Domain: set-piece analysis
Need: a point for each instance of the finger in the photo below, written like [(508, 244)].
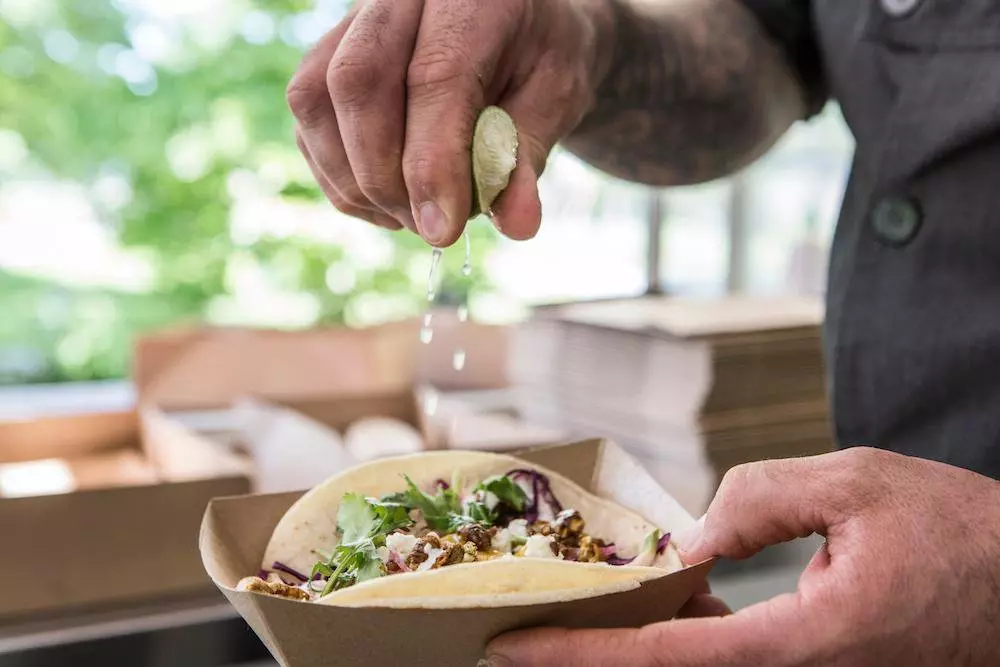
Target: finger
[(367, 82), (455, 57), (309, 100), (542, 110), (324, 184), (769, 502), (704, 606), (376, 218), (755, 636), (517, 213)]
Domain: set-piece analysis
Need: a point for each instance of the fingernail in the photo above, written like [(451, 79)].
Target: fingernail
[(433, 224), (686, 540)]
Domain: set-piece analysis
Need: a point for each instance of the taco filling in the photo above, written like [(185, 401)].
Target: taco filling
[(510, 516)]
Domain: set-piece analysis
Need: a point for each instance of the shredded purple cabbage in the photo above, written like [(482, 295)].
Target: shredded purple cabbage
[(441, 484), (281, 567), (541, 489), (661, 546)]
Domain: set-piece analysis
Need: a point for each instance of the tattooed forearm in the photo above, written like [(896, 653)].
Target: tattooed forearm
[(694, 90)]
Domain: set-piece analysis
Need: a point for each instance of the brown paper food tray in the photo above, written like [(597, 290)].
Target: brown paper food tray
[(126, 543), (236, 531)]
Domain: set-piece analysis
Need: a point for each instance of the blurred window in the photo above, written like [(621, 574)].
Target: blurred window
[(148, 177)]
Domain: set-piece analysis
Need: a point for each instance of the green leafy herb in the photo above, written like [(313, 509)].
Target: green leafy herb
[(369, 565), (479, 513), (441, 511), (356, 518), (506, 490), (398, 498), (363, 524), (389, 518), (444, 511)]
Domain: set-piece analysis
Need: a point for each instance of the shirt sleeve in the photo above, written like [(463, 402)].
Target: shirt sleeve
[(790, 24)]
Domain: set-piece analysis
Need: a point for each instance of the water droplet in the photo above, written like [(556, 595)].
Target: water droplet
[(428, 317), (467, 267), (432, 275), (463, 313), (458, 359), (426, 335), (430, 404)]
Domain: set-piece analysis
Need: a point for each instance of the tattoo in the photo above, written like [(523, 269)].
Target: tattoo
[(694, 91)]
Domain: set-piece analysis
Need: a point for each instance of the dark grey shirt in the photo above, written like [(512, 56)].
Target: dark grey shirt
[(912, 333)]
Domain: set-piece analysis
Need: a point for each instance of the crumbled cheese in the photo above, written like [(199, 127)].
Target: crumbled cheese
[(502, 540), (401, 543), (491, 501), (538, 547), (383, 554), (518, 528), (432, 555)]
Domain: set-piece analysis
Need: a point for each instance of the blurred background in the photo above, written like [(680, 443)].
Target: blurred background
[(149, 179), (149, 176)]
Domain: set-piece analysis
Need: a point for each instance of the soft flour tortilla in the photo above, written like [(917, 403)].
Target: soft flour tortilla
[(310, 526)]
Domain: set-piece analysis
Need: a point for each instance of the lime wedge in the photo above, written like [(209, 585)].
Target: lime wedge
[(494, 156)]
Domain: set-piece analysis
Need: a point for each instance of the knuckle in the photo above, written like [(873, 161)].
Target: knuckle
[(419, 164), (351, 80), (433, 168), (736, 481), (307, 98), (862, 471), (439, 66)]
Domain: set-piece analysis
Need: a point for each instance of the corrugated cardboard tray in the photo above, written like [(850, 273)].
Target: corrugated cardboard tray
[(116, 528)]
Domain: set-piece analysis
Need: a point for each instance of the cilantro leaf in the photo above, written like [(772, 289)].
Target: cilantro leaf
[(437, 509), (369, 565), (356, 518), (479, 513), (388, 519), (506, 490), (363, 524)]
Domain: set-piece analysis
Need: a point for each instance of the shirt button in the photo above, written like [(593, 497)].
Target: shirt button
[(899, 8), (896, 220)]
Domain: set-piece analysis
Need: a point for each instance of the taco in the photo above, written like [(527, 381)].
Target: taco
[(456, 529)]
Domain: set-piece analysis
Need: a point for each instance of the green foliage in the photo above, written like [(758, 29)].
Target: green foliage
[(79, 118)]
